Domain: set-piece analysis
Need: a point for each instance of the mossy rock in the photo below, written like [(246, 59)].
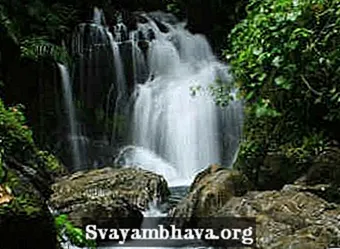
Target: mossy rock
[(25, 178), (25, 214), (211, 189), (325, 168), (323, 176), (106, 195), (270, 171), (288, 218)]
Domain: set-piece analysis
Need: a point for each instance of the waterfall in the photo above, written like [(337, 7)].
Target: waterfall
[(69, 105), (174, 131), (142, 79), (98, 16), (182, 129)]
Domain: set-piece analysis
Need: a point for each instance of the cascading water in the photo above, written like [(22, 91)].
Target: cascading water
[(183, 130), (175, 132), (101, 86), (156, 65), (69, 105)]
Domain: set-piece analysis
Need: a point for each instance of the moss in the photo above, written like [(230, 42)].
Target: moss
[(51, 163), (26, 174), (25, 201)]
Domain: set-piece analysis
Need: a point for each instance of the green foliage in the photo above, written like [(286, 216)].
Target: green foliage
[(16, 141), (221, 91), (14, 133), (38, 28), (286, 60), (51, 163), (37, 47), (76, 236), (2, 171), (21, 205), (286, 47), (25, 202), (173, 6), (308, 147)]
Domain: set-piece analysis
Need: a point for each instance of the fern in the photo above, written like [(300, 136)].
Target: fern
[(38, 47), (75, 235)]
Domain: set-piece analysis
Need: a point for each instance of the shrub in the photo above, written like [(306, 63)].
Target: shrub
[(286, 60)]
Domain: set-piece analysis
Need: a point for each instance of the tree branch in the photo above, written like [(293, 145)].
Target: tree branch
[(309, 86)]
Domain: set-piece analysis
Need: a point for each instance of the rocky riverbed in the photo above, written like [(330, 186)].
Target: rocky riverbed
[(293, 217)]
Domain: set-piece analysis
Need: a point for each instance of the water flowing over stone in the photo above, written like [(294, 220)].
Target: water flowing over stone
[(183, 129), (141, 78), (69, 106), (148, 160)]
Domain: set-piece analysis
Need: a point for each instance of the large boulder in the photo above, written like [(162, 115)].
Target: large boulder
[(325, 168), (269, 170), (288, 219), (323, 176), (211, 189), (103, 196)]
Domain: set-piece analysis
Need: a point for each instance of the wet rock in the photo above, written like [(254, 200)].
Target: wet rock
[(275, 172), (325, 168), (328, 192), (288, 218), (144, 46), (105, 195), (161, 16), (141, 18), (151, 35), (269, 170), (161, 26), (106, 212), (130, 19), (211, 189), (323, 176), (23, 210)]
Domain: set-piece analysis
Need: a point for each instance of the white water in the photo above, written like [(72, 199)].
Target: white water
[(119, 85), (68, 101), (174, 134), (147, 160), (167, 122), (183, 130), (98, 16)]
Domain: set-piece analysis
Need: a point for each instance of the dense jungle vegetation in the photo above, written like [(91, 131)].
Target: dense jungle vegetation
[(284, 55), (285, 58)]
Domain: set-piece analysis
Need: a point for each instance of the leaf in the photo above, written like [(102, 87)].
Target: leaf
[(262, 77), (279, 80), (276, 62), (250, 95), (257, 51)]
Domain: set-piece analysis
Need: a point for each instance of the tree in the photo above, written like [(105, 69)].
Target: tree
[(286, 60)]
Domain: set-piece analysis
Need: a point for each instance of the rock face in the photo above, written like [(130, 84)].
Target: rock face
[(211, 189), (323, 176), (292, 218), (325, 168), (23, 209), (103, 196), (288, 219)]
